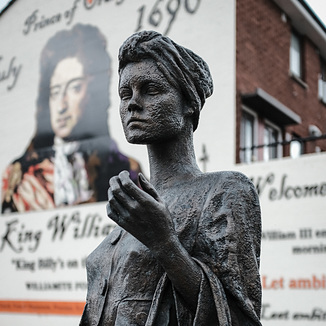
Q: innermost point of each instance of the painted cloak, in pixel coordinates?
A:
(70, 173)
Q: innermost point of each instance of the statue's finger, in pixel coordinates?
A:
(130, 187)
(116, 205)
(148, 187)
(112, 214)
(118, 191)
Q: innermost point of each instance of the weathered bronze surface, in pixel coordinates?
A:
(187, 245)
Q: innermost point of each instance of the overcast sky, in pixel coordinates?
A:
(3, 3)
(319, 7)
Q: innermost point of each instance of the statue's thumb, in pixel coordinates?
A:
(147, 186)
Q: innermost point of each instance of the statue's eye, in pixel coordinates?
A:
(125, 93)
(152, 89)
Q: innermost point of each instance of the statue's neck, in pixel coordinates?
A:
(172, 162)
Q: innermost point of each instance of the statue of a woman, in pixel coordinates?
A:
(187, 245)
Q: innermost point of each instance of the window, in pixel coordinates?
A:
(296, 147)
(247, 137)
(263, 120)
(296, 55)
(322, 81)
(260, 139)
(272, 137)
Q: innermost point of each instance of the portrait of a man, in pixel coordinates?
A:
(72, 155)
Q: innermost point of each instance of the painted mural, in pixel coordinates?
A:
(72, 155)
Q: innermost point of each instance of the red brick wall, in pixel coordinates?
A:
(262, 59)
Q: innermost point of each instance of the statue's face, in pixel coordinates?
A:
(151, 109)
(67, 91)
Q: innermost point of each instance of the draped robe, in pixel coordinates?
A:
(217, 219)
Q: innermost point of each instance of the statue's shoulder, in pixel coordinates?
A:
(227, 179)
(101, 254)
(233, 185)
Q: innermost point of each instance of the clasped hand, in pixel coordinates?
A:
(141, 212)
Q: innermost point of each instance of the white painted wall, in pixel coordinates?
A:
(293, 254)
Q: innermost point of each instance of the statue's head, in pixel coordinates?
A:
(183, 69)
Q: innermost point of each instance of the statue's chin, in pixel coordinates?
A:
(136, 137)
(133, 139)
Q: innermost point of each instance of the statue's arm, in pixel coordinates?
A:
(143, 214)
(228, 243)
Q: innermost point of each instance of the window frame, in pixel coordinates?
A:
(259, 126)
(299, 150)
(279, 150)
(254, 154)
(322, 81)
(296, 61)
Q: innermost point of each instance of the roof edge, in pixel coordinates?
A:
(6, 7)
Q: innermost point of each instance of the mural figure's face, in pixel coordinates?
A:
(67, 90)
(151, 109)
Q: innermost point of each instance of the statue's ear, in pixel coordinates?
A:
(188, 110)
(191, 114)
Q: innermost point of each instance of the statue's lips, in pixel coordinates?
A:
(135, 120)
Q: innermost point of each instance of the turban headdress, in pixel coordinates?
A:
(183, 68)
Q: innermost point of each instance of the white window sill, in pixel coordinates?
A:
(298, 80)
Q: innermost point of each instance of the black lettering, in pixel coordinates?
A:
(310, 190)
(12, 71)
(322, 190)
(282, 186)
(23, 265)
(6, 237)
(273, 194)
(89, 4)
(262, 183)
(155, 16)
(30, 21)
(193, 9)
(60, 225)
(287, 191)
(297, 192)
(141, 11)
(15, 238)
(272, 315)
(72, 12)
(172, 10)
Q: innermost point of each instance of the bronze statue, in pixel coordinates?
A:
(187, 245)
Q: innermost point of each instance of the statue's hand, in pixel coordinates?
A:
(140, 212)
(144, 214)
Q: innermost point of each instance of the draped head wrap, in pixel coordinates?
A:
(183, 69)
